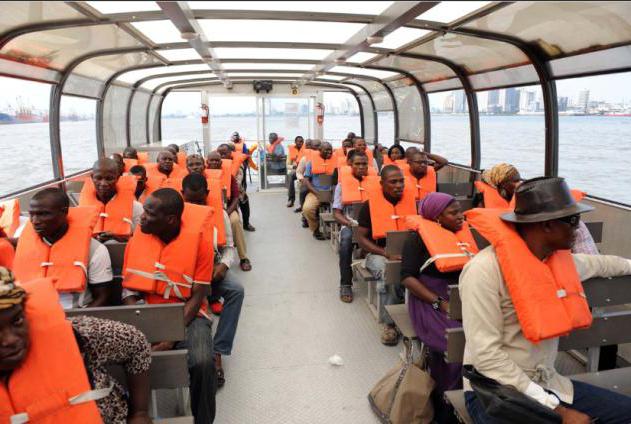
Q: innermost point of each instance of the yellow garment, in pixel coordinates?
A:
(499, 174)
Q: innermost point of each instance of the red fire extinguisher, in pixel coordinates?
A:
(319, 113)
(205, 113)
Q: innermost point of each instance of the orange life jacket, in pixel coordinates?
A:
(353, 190)
(10, 216)
(129, 163)
(237, 160)
(7, 253)
(43, 389)
(492, 198)
(224, 175)
(449, 251)
(215, 200)
(294, 154)
(156, 179)
(143, 158)
(168, 270)
(66, 260)
(385, 216)
(387, 161)
(548, 296)
(238, 147)
(320, 166)
(177, 172)
(181, 159)
(425, 185)
(115, 216)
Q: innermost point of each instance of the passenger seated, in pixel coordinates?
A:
(340, 155)
(277, 163)
(130, 158)
(214, 162)
(422, 175)
(384, 211)
(180, 157)
(119, 212)
(49, 356)
(164, 174)
(312, 146)
(57, 242)
(356, 191)
(119, 161)
(224, 283)
(511, 339)
(164, 237)
(359, 144)
(238, 171)
(395, 152)
(319, 164)
(438, 231)
(140, 173)
(296, 152)
(497, 186)
(379, 152)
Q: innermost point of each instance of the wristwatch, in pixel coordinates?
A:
(437, 302)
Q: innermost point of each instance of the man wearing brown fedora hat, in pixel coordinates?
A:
(527, 245)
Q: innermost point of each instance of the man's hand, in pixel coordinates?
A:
(162, 346)
(394, 257)
(219, 273)
(572, 416)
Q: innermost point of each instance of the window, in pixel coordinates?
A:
(512, 129)
(595, 134)
(181, 117)
(385, 128)
(341, 116)
(230, 114)
(451, 136)
(24, 134)
(78, 133)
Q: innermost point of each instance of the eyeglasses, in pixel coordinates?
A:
(571, 220)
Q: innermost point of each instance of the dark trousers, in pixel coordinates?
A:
(607, 406)
(346, 256)
(303, 194)
(201, 367)
(291, 188)
(245, 211)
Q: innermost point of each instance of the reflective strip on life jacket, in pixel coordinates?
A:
(448, 250)
(51, 385)
(320, 166)
(423, 186)
(66, 260)
(116, 215)
(385, 216)
(548, 296)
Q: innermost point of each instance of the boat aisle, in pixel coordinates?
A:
(292, 321)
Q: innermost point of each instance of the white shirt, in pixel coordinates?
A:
(227, 254)
(136, 212)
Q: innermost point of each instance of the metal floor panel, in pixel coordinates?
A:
(292, 321)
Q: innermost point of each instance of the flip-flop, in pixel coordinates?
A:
(346, 294)
(221, 378)
(245, 265)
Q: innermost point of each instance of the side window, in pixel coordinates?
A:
(451, 136)
(78, 133)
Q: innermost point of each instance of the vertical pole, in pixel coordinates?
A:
(206, 138)
(55, 132)
(319, 129)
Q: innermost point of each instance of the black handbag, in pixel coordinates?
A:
(507, 404)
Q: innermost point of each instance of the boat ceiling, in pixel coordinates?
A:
(377, 45)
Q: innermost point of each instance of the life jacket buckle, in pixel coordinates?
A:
(158, 265)
(104, 215)
(561, 293)
(46, 264)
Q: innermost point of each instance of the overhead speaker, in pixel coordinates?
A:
(262, 85)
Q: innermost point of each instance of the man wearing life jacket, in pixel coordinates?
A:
(130, 158)
(510, 336)
(119, 211)
(57, 242)
(340, 154)
(433, 255)
(350, 189)
(170, 260)
(359, 144)
(140, 173)
(46, 361)
(311, 146)
(225, 284)
(385, 210)
(118, 158)
(321, 164)
(165, 173)
(180, 157)
(239, 174)
(214, 162)
(296, 152)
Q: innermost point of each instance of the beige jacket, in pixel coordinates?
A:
(495, 345)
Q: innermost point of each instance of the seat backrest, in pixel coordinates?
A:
(596, 230)
(157, 322)
(395, 241)
(456, 189)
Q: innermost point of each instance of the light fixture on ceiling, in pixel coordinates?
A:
(374, 39)
(188, 36)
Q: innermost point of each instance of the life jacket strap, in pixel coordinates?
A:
(89, 396)
(76, 263)
(127, 220)
(104, 215)
(442, 256)
(171, 285)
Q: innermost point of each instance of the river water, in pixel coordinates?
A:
(595, 152)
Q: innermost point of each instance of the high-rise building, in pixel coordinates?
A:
(509, 100)
(527, 101)
(448, 104)
(493, 102)
(583, 100)
(563, 104)
(460, 102)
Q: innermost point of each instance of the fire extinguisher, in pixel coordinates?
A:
(319, 113)
(205, 113)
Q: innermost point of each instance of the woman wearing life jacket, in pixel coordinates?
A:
(497, 186)
(43, 355)
(523, 292)
(395, 152)
(439, 230)
(296, 152)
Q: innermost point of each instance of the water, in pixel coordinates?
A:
(594, 151)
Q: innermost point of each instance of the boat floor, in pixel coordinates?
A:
(292, 321)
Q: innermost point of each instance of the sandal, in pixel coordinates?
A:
(245, 265)
(346, 294)
(221, 376)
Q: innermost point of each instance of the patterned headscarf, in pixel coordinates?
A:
(499, 174)
(434, 204)
(10, 293)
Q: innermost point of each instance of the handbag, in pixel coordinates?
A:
(402, 396)
(507, 404)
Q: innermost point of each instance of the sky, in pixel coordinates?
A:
(612, 88)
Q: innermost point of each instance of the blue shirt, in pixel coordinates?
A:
(315, 179)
